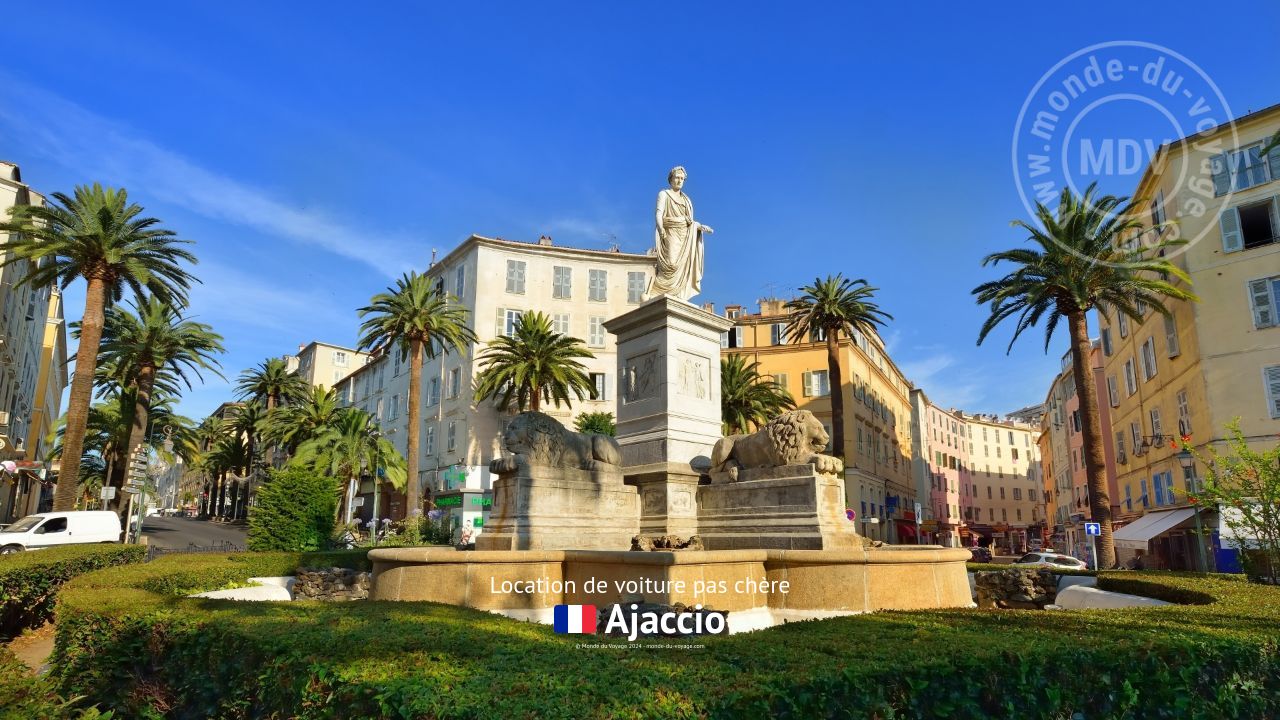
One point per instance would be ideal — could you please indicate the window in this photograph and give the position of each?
(395, 407)
(1142, 492)
(816, 384)
(1019, 511)
(1157, 210)
(1014, 452)
(731, 338)
(991, 514)
(1271, 379)
(1264, 298)
(780, 379)
(560, 323)
(599, 386)
(339, 358)
(988, 489)
(1244, 168)
(1158, 483)
(777, 334)
(455, 383)
(1120, 446)
(1113, 394)
(507, 320)
(597, 285)
(429, 443)
(1031, 494)
(635, 287)
(1130, 381)
(1135, 434)
(1106, 341)
(1148, 353)
(1250, 226)
(1128, 497)
(595, 334)
(1017, 493)
(53, 525)
(817, 335)
(561, 282)
(1184, 414)
(1122, 324)
(1171, 337)
(433, 391)
(452, 438)
(1156, 427)
(460, 280)
(1001, 493)
(515, 276)
(1004, 515)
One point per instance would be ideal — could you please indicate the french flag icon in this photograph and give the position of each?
(575, 619)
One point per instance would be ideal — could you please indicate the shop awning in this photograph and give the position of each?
(906, 528)
(1136, 534)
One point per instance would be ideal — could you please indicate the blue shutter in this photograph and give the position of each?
(1158, 482)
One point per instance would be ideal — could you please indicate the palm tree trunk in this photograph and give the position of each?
(141, 413)
(1094, 464)
(837, 393)
(64, 497)
(535, 400)
(413, 503)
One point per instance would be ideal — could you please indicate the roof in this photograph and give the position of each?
(537, 247)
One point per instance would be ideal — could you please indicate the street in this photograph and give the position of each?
(179, 533)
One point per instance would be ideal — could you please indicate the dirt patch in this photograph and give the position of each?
(34, 647)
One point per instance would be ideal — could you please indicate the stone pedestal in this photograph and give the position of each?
(783, 508)
(545, 508)
(668, 406)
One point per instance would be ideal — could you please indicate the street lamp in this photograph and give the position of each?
(1188, 462)
(376, 435)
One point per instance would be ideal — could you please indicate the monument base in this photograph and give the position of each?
(668, 498)
(783, 508)
(545, 508)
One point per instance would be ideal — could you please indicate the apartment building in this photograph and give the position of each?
(497, 281)
(1006, 481)
(942, 472)
(1183, 378)
(323, 365)
(24, 401)
(879, 485)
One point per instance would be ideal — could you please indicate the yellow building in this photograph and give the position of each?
(324, 365)
(1212, 361)
(877, 409)
(51, 380)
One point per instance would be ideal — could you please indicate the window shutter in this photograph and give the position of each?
(1275, 217)
(1263, 312)
(1271, 375)
(806, 389)
(1229, 221)
(1112, 392)
(1274, 160)
(1171, 336)
(1221, 175)
(1156, 480)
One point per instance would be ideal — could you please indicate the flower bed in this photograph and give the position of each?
(129, 642)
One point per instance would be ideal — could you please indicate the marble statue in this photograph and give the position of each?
(679, 243)
(792, 438)
(534, 438)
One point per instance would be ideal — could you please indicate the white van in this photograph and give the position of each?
(60, 528)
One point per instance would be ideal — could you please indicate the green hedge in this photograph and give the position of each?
(983, 567)
(128, 643)
(294, 512)
(27, 696)
(29, 581)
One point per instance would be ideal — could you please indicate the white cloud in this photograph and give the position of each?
(229, 294)
(98, 147)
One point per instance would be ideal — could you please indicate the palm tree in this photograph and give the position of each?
(248, 423)
(99, 236)
(352, 447)
(290, 426)
(136, 347)
(271, 382)
(747, 398)
(826, 309)
(533, 364)
(421, 322)
(1083, 258)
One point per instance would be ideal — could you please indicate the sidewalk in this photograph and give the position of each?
(34, 647)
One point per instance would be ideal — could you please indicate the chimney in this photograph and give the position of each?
(709, 307)
(545, 240)
(433, 258)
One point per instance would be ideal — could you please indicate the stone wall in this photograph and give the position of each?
(1016, 589)
(331, 584)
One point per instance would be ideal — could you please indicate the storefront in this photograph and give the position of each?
(1163, 540)
(906, 529)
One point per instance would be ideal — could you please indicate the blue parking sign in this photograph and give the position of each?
(1092, 528)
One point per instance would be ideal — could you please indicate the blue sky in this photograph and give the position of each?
(315, 154)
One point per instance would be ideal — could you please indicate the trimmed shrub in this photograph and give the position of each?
(23, 695)
(130, 647)
(983, 567)
(294, 513)
(29, 581)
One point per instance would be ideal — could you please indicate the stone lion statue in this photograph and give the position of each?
(793, 438)
(534, 438)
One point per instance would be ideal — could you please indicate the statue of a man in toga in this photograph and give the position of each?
(679, 242)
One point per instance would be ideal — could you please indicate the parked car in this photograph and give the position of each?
(1051, 561)
(60, 528)
(980, 554)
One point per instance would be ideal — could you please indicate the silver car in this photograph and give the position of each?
(1051, 561)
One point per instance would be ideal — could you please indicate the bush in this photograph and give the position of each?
(23, 695)
(130, 647)
(598, 423)
(295, 512)
(29, 581)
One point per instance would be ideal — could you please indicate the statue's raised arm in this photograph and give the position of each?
(678, 238)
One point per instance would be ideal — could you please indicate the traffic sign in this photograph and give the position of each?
(1092, 528)
(132, 490)
(107, 493)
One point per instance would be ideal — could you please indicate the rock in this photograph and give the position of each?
(332, 584)
(1016, 588)
(665, 543)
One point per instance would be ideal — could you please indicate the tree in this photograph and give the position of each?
(97, 235)
(533, 364)
(294, 512)
(272, 383)
(291, 425)
(421, 322)
(135, 348)
(597, 423)
(248, 423)
(825, 310)
(350, 448)
(747, 398)
(1245, 488)
(1084, 257)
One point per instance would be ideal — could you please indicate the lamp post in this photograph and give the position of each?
(1188, 462)
(375, 434)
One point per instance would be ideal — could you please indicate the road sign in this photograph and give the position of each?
(1092, 528)
(132, 490)
(357, 502)
(108, 493)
